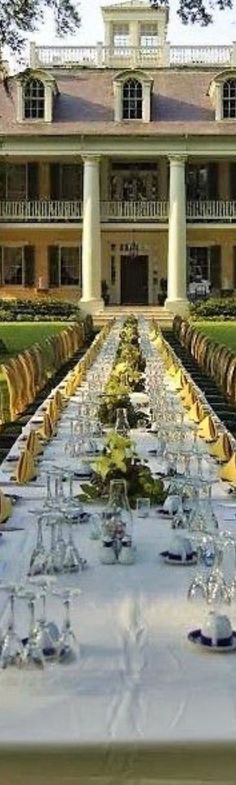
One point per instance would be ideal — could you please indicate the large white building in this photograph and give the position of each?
(118, 165)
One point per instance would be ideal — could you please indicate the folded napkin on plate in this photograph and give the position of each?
(228, 472)
(47, 427)
(207, 429)
(26, 469)
(188, 396)
(196, 412)
(33, 444)
(5, 508)
(58, 398)
(222, 448)
(171, 370)
(179, 379)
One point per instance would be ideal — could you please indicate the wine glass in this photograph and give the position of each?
(68, 648)
(12, 647)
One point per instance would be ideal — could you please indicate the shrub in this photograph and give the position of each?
(214, 308)
(39, 310)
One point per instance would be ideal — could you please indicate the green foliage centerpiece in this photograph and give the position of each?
(120, 461)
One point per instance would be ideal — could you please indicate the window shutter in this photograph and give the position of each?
(213, 180)
(233, 180)
(2, 181)
(234, 267)
(29, 256)
(1, 275)
(216, 266)
(53, 265)
(33, 180)
(55, 181)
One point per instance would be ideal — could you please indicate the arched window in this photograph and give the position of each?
(229, 98)
(34, 99)
(132, 100)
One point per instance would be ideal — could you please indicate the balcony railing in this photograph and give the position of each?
(40, 210)
(219, 211)
(52, 211)
(134, 211)
(154, 56)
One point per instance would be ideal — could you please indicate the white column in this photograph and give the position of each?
(176, 288)
(91, 300)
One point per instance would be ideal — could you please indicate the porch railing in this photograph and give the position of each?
(134, 211)
(219, 210)
(40, 210)
(53, 211)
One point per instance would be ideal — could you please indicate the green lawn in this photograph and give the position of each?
(20, 336)
(223, 332)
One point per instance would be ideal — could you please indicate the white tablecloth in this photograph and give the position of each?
(141, 704)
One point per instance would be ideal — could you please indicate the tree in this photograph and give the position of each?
(20, 16)
(198, 11)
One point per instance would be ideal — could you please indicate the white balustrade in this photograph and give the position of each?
(134, 211)
(200, 55)
(40, 210)
(52, 211)
(212, 210)
(100, 55)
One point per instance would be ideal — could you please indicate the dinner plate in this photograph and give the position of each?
(178, 562)
(195, 637)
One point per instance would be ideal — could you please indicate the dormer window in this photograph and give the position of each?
(34, 99)
(132, 100)
(222, 91)
(132, 92)
(229, 98)
(36, 93)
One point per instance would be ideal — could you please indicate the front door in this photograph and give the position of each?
(134, 280)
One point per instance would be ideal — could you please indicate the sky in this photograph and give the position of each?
(222, 31)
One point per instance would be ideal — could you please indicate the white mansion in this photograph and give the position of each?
(118, 167)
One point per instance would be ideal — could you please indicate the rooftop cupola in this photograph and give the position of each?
(134, 25)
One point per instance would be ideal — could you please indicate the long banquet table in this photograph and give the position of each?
(141, 704)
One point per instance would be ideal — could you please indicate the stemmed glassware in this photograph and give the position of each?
(32, 655)
(11, 646)
(68, 648)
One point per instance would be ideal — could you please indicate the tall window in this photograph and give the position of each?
(132, 100)
(229, 98)
(65, 266)
(120, 36)
(17, 267)
(148, 35)
(34, 99)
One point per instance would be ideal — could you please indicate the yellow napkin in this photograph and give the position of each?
(26, 469)
(33, 444)
(59, 400)
(222, 448)
(47, 429)
(196, 413)
(188, 396)
(207, 429)
(5, 508)
(179, 379)
(172, 370)
(228, 472)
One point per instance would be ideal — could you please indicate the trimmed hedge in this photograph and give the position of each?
(39, 310)
(214, 309)
(215, 359)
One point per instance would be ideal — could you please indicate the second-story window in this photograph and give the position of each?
(132, 100)
(229, 98)
(34, 99)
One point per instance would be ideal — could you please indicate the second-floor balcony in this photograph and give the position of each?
(47, 211)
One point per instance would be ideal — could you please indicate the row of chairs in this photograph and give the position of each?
(216, 360)
(26, 374)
